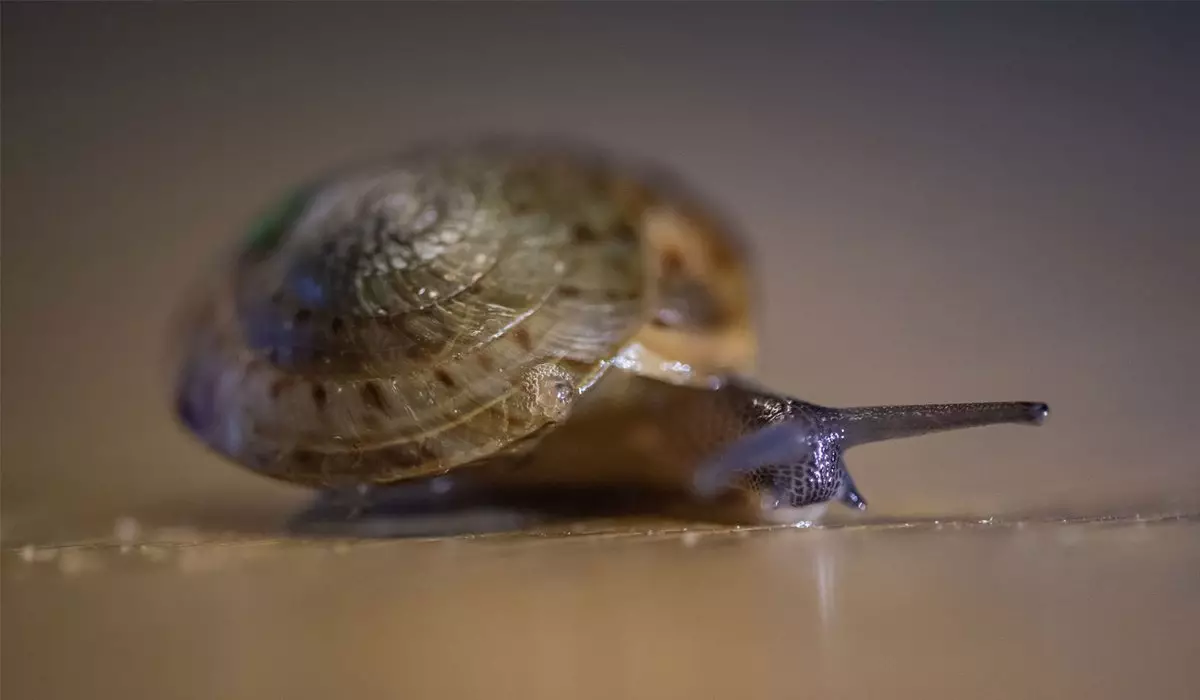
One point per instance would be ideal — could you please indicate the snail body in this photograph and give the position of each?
(428, 313)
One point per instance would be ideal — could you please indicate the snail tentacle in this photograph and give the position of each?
(796, 457)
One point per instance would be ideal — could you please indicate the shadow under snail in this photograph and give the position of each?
(426, 323)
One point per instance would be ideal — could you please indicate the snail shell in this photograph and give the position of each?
(411, 315)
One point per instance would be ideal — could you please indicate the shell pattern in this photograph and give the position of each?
(404, 317)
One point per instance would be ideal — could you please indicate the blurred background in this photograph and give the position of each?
(945, 202)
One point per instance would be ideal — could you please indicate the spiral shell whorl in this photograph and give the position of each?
(391, 320)
(366, 248)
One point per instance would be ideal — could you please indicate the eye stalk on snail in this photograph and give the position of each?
(423, 315)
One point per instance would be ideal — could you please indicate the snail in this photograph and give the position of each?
(399, 324)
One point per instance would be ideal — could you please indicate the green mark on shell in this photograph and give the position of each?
(271, 227)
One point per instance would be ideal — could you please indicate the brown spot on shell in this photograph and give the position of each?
(373, 396)
(570, 291)
(521, 335)
(672, 261)
(391, 323)
(337, 325)
(406, 456)
(725, 259)
(305, 458)
(582, 233)
(428, 451)
(280, 385)
(444, 377)
(416, 329)
(616, 295)
(320, 397)
(409, 455)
